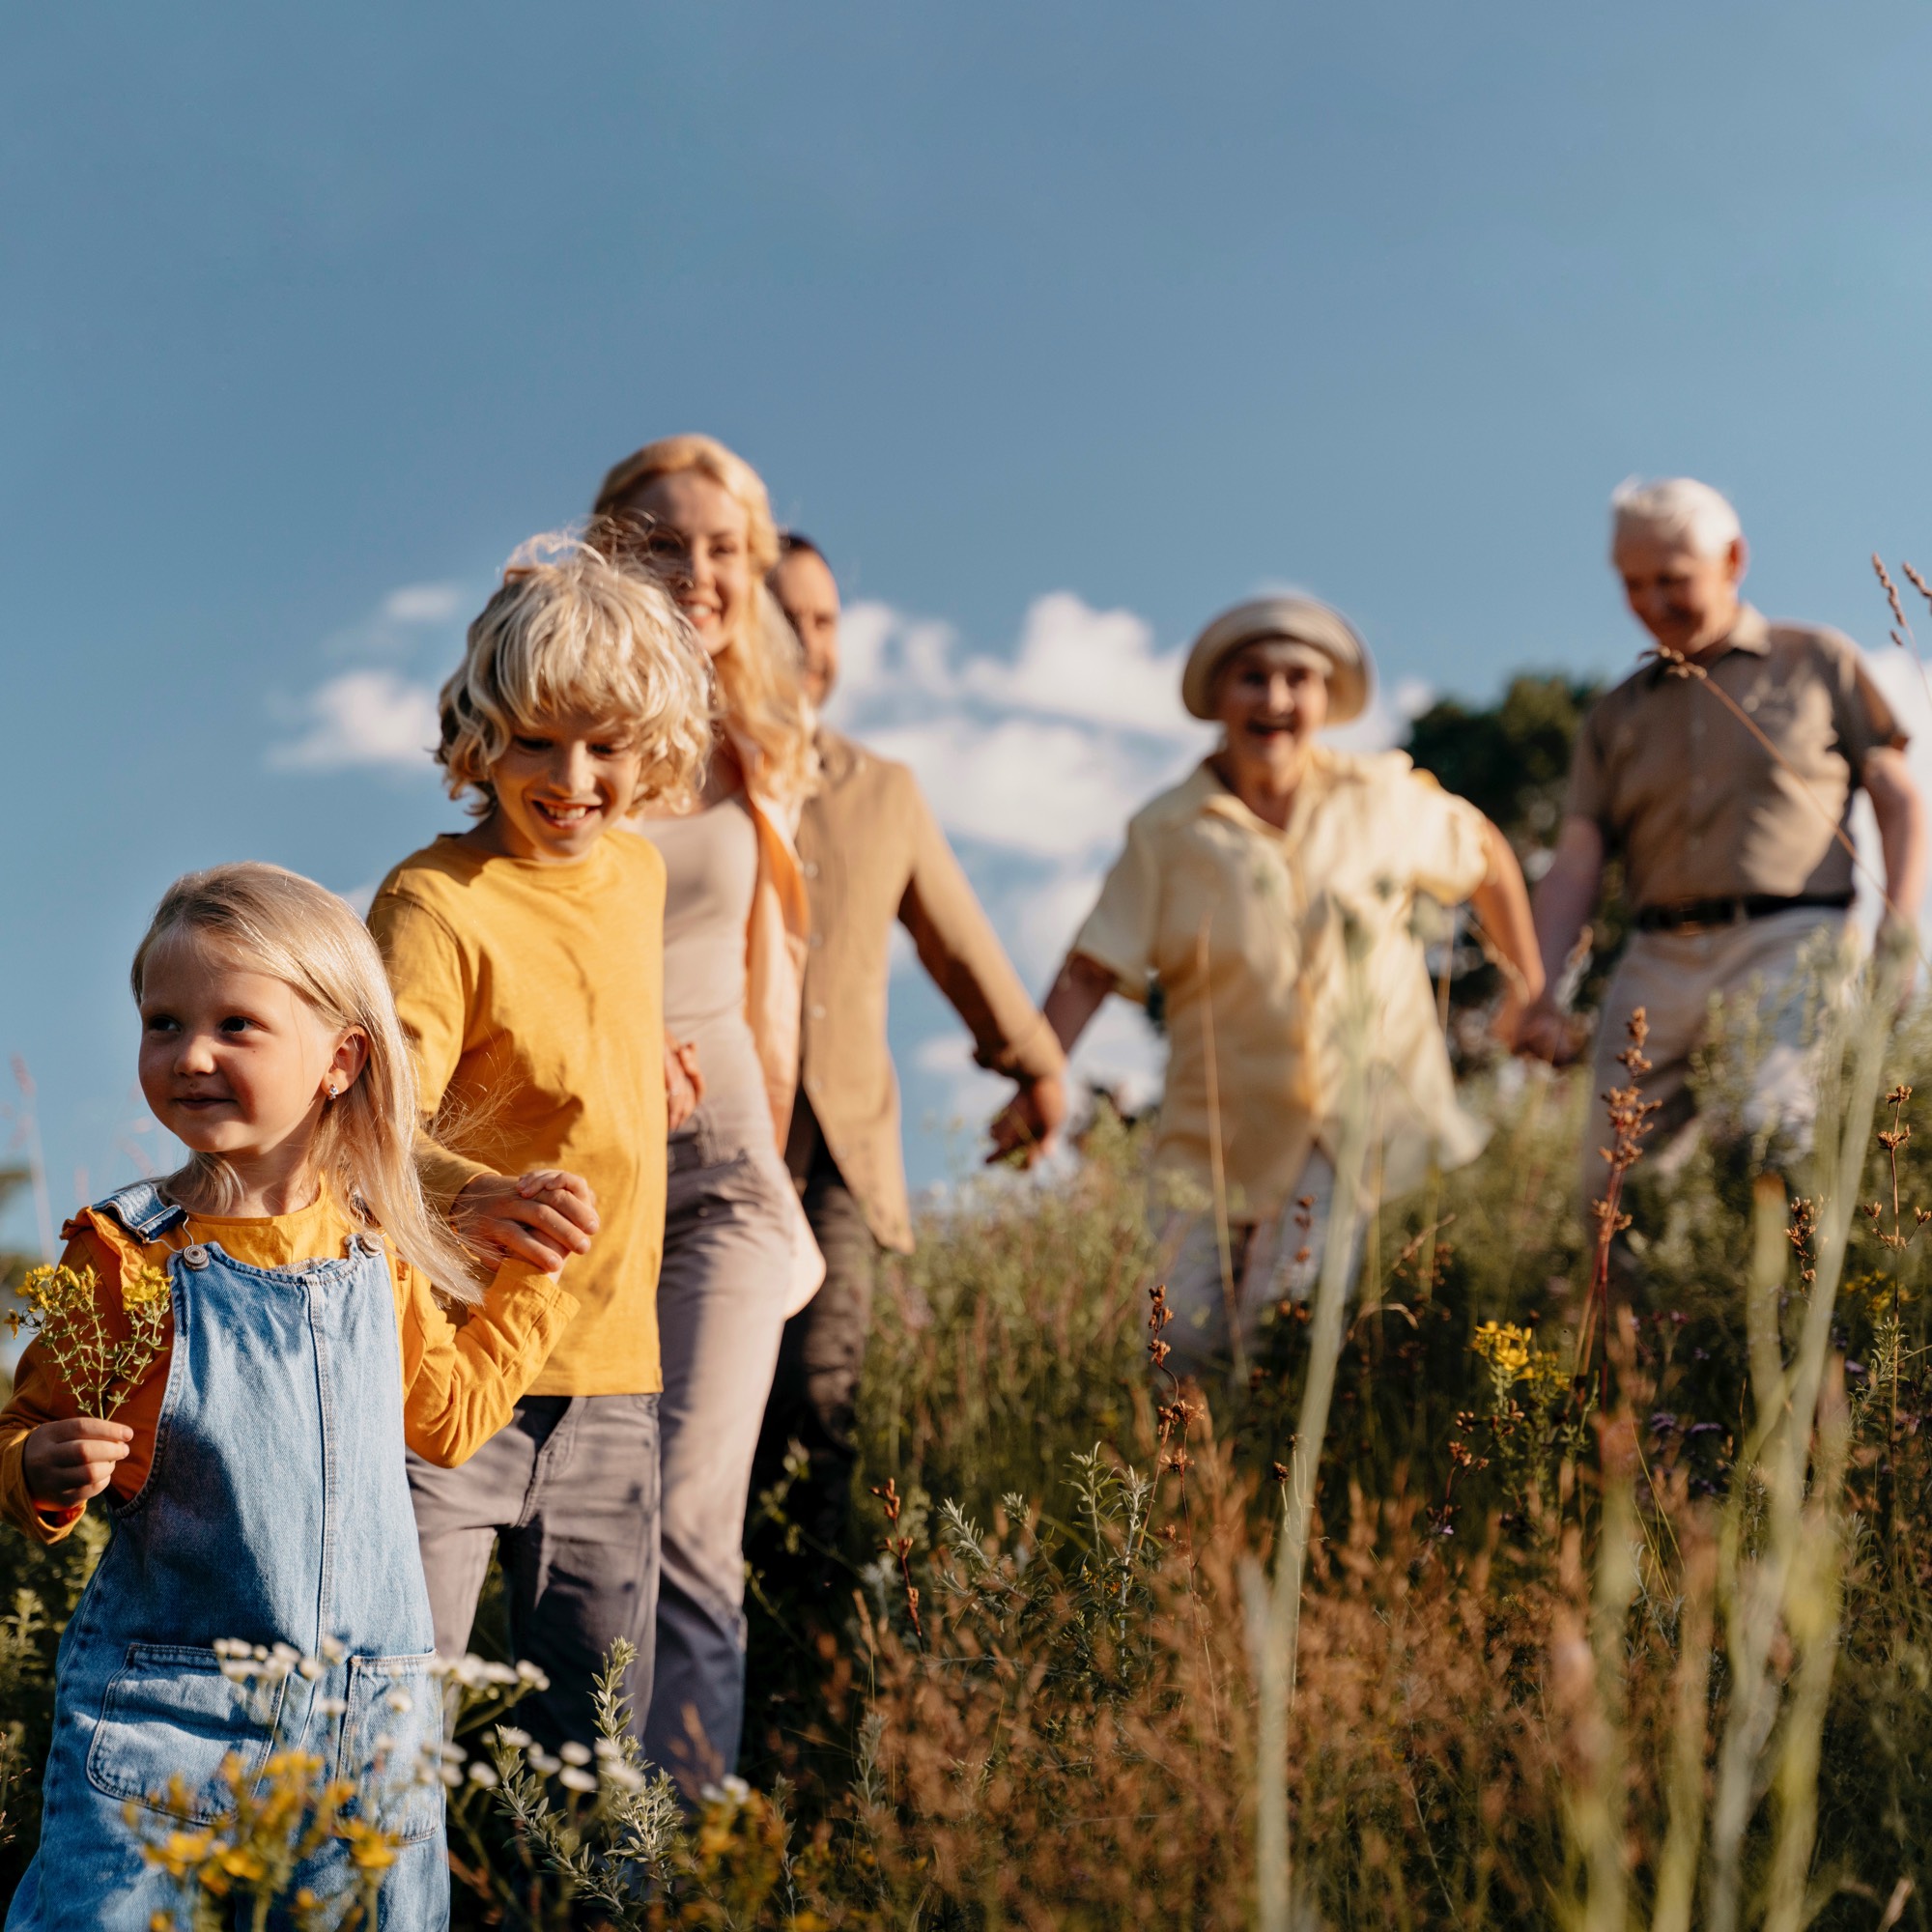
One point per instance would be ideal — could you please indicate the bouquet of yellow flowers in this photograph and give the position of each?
(64, 1308)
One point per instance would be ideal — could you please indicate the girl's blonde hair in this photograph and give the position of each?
(758, 670)
(277, 922)
(569, 631)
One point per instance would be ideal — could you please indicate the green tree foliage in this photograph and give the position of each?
(1511, 760)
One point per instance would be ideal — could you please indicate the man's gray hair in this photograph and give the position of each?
(1678, 507)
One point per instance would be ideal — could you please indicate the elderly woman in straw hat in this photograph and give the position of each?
(1268, 898)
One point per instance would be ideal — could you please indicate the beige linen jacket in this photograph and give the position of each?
(872, 853)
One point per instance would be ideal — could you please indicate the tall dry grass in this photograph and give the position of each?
(1539, 1658)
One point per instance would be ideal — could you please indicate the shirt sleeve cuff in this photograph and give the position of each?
(36, 1520)
(1035, 1054)
(444, 1174)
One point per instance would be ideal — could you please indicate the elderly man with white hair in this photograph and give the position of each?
(1722, 773)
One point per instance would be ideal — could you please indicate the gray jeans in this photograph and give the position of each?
(567, 1491)
(728, 1260)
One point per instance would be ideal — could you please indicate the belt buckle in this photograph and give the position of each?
(1734, 915)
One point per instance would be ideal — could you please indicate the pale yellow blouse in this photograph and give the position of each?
(1246, 930)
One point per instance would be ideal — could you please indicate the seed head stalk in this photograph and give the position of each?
(1629, 1119)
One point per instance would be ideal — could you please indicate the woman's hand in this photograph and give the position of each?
(684, 1082)
(1025, 1127)
(65, 1463)
(543, 1218)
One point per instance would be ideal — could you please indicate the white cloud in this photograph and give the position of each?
(1045, 754)
(1096, 665)
(424, 604)
(890, 663)
(1048, 791)
(362, 718)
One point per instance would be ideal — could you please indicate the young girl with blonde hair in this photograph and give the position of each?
(738, 1254)
(254, 1479)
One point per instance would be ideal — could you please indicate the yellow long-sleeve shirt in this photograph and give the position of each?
(533, 995)
(462, 1373)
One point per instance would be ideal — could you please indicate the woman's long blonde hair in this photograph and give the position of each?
(277, 922)
(758, 670)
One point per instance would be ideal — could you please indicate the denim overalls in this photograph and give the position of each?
(278, 1511)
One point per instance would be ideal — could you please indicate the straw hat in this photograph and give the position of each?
(1330, 641)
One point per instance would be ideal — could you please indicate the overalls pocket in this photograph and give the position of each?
(169, 1723)
(391, 1745)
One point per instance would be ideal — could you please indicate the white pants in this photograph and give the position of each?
(1770, 978)
(1270, 1262)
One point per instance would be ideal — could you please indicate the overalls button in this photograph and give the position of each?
(195, 1257)
(370, 1243)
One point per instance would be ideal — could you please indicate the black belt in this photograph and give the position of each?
(1732, 911)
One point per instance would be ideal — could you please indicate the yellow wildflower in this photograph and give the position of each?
(144, 1283)
(243, 1862)
(179, 1852)
(370, 1849)
(100, 1369)
(1510, 1348)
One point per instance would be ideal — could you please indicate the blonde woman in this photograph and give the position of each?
(738, 1255)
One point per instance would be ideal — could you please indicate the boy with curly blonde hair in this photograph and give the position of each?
(526, 957)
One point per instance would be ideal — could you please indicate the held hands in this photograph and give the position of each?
(1024, 1128)
(543, 1218)
(684, 1083)
(1543, 1031)
(65, 1463)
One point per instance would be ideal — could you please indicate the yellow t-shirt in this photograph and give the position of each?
(462, 1376)
(533, 995)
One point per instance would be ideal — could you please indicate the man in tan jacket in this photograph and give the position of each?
(872, 853)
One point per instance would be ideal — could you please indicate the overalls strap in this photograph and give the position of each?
(143, 1210)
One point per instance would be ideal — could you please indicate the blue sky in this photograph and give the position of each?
(1058, 327)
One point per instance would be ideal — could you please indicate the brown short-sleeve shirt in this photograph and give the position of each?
(1691, 800)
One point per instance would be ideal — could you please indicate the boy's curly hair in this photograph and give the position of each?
(569, 632)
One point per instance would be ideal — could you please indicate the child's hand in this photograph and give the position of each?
(64, 1463)
(543, 1218)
